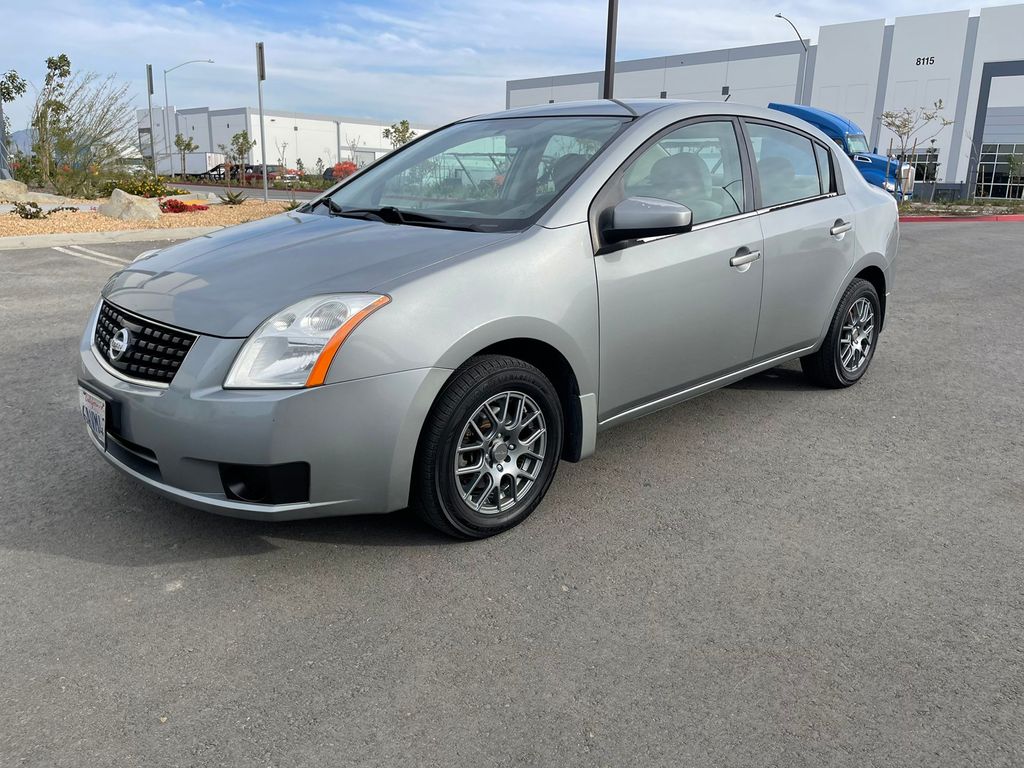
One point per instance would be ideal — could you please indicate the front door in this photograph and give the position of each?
(678, 310)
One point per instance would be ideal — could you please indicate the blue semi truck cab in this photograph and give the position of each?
(876, 169)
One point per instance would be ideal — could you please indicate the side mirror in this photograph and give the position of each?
(638, 217)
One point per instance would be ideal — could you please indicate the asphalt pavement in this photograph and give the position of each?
(770, 575)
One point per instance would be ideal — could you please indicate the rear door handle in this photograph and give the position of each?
(742, 259)
(840, 227)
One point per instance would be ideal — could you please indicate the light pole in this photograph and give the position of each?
(799, 37)
(609, 50)
(167, 102)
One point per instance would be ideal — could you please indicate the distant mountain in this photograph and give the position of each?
(21, 140)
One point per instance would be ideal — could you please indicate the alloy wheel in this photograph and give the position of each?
(857, 336)
(500, 453)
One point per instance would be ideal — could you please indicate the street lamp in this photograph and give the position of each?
(803, 44)
(167, 101)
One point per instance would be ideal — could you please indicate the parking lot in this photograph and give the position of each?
(771, 575)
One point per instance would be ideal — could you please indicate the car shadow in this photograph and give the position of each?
(783, 378)
(63, 499)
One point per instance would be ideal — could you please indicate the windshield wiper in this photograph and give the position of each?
(332, 206)
(391, 215)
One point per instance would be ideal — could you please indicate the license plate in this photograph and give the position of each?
(94, 411)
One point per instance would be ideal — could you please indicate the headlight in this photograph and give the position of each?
(295, 347)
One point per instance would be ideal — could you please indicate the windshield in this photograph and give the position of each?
(857, 143)
(487, 175)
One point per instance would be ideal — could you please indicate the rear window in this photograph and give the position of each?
(787, 166)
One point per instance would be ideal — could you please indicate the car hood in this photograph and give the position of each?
(227, 283)
(878, 160)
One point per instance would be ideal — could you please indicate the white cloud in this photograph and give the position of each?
(429, 62)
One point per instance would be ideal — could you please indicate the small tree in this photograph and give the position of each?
(319, 167)
(237, 153)
(49, 114)
(300, 167)
(281, 147)
(399, 134)
(908, 125)
(12, 85)
(1016, 172)
(184, 146)
(352, 143)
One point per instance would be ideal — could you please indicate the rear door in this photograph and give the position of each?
(807, 225)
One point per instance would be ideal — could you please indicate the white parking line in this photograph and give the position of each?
(107, 260)
(98, 254)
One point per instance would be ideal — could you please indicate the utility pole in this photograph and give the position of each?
(5, 171)
(167, 104)
(261, 75)
(609, 49)
(149, 99)
(803, 82)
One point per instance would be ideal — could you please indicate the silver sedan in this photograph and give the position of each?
(444, 327)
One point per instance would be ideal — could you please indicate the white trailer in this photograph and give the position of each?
(196, 163)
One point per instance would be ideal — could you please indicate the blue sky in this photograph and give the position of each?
(428, 62)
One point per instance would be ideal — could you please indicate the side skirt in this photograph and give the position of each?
(696, 390)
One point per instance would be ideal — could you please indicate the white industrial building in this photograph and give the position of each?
(291, 136)
(974, 64)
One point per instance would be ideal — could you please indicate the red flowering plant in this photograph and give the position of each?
(344, 169)
(173, 205)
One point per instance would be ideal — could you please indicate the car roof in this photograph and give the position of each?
(671, 109)
(592, 108)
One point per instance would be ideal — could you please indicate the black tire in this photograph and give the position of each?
(825, 367)
(437, 494)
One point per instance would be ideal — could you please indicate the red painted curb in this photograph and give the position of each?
(932, 219)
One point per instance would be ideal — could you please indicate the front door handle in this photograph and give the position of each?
(840, 227)
(744, 258)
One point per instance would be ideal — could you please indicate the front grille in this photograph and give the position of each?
(154, 352)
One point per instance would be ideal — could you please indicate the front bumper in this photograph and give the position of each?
(358, 437)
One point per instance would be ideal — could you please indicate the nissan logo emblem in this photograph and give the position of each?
(119, 344)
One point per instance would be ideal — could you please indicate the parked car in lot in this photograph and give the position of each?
(254, 173)
(416, 335)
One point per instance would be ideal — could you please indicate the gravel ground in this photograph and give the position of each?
(770, 576)
(86, 220)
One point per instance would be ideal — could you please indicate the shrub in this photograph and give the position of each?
(344, 170)
(233, 198)
(180, 206)
(142, 186)
(29, 211)
(33, 211)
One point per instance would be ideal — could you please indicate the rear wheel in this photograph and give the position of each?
(489, 449)
(850, 344)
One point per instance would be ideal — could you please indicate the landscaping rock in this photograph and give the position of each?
(13, 191)
(42, 198)
(16, 192)
(129, 207)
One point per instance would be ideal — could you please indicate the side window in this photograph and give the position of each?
(563, 158)
(786, 164)
(697, 166)
(824, 168)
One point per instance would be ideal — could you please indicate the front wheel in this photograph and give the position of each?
(489, 449)
(852, 337)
